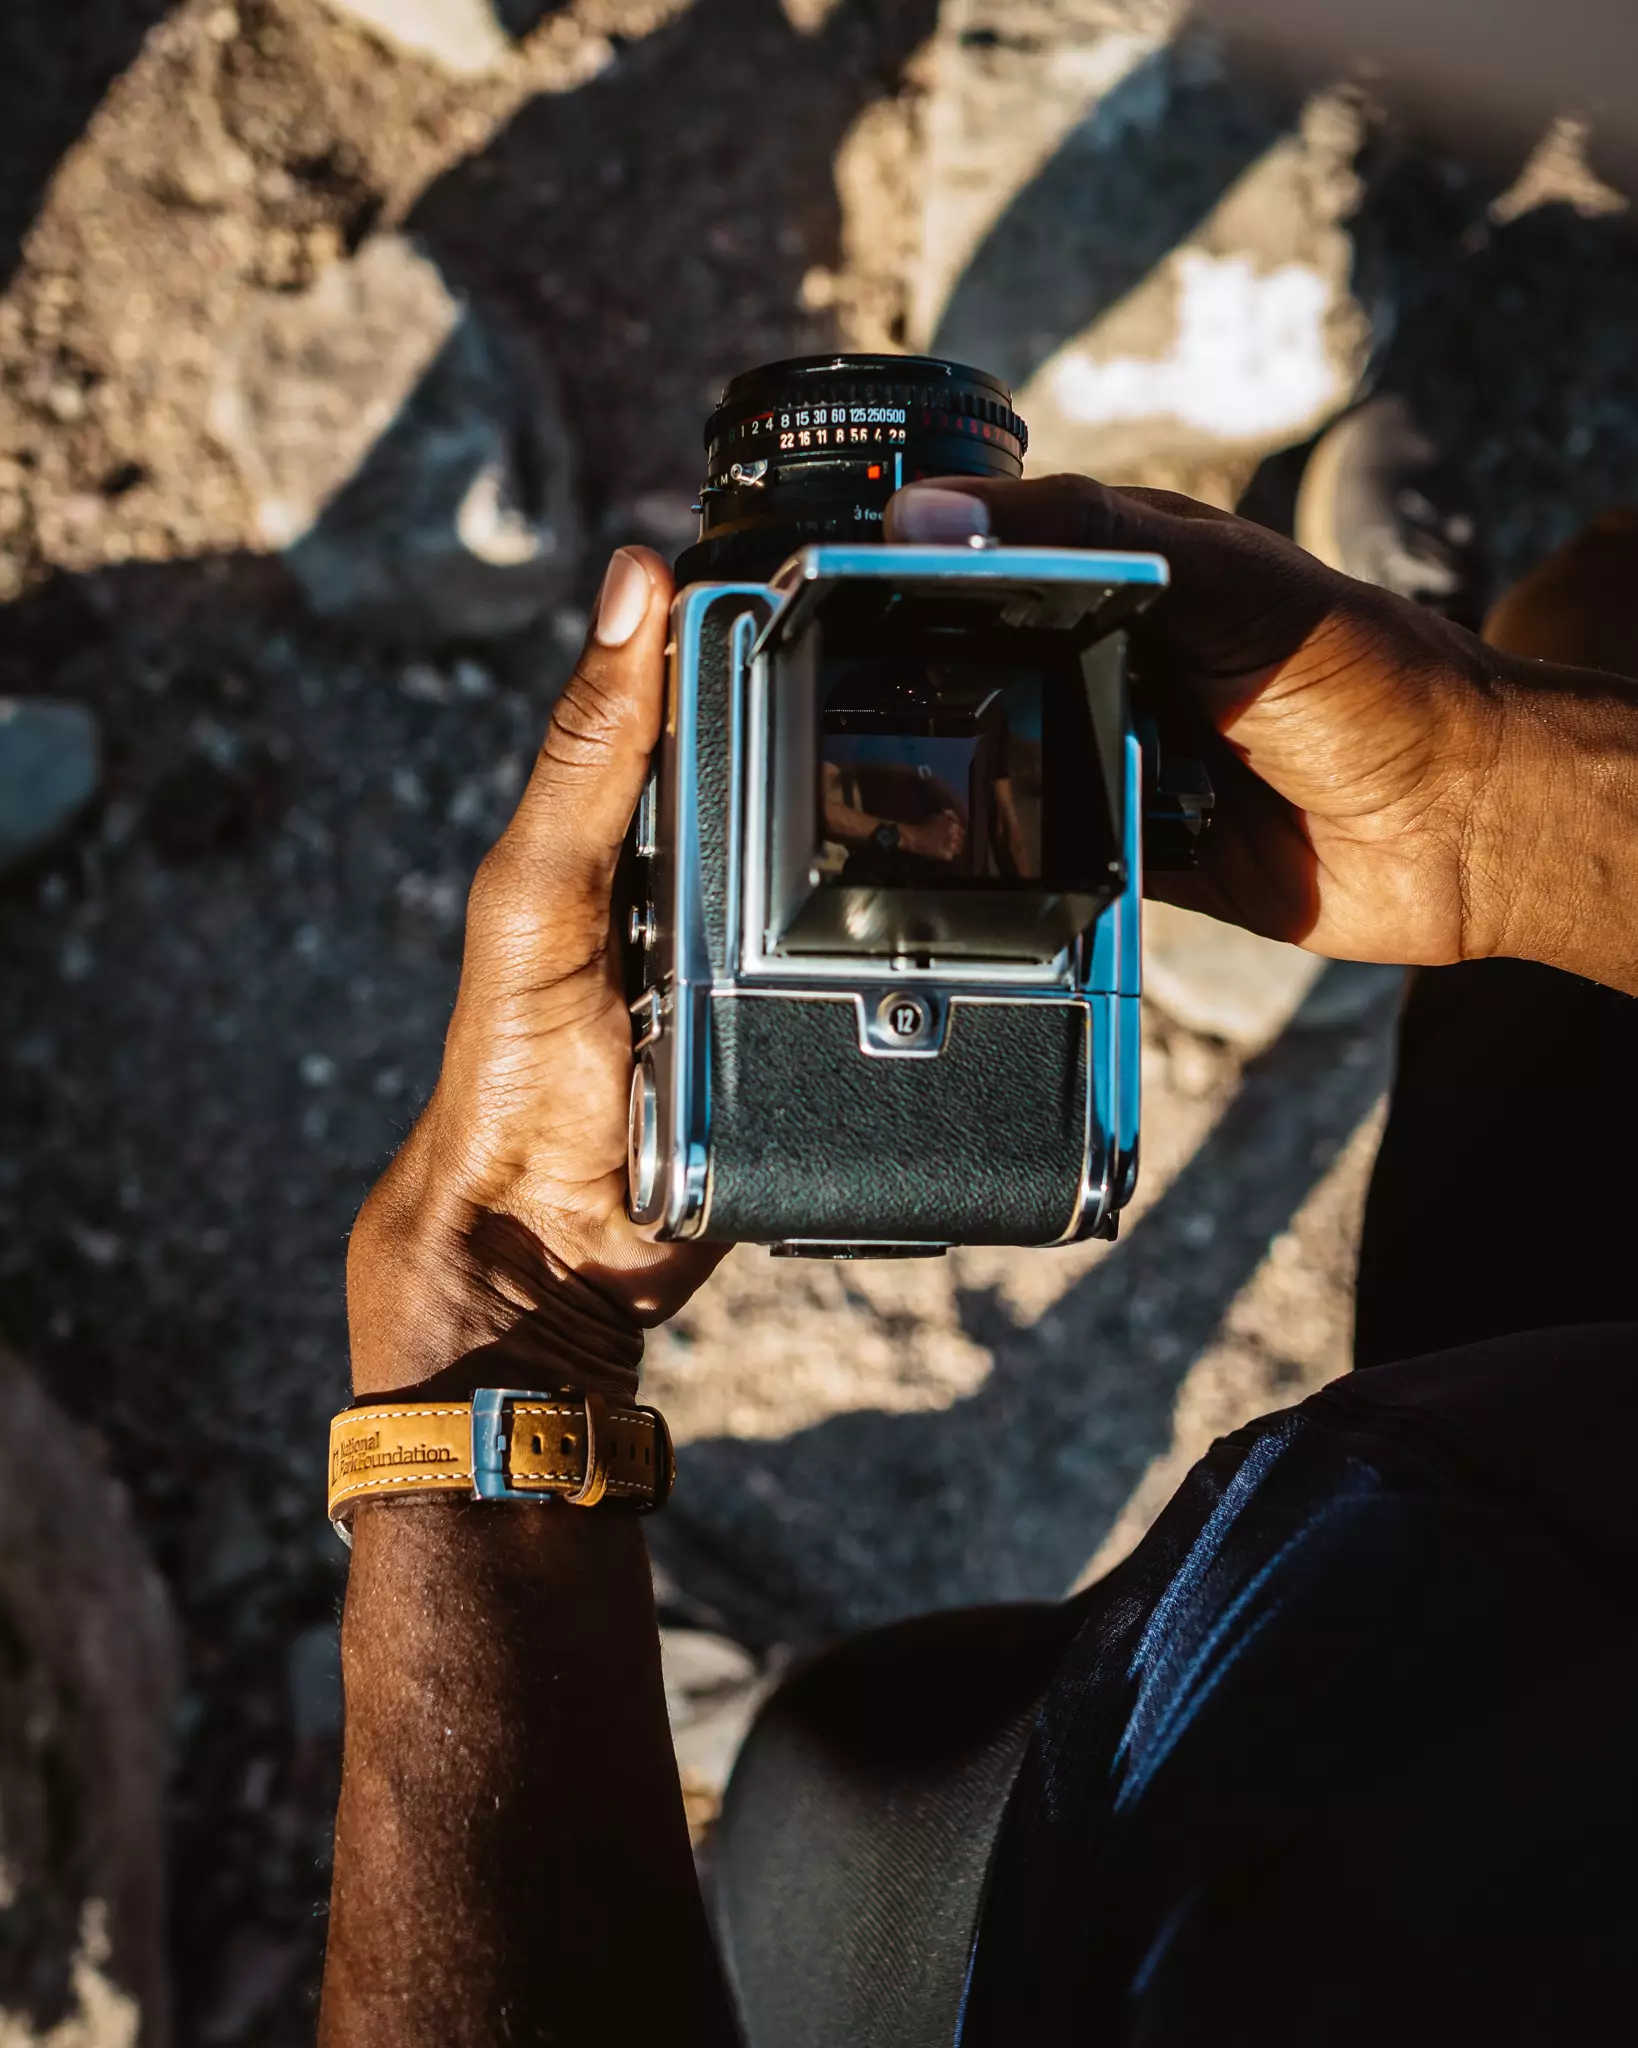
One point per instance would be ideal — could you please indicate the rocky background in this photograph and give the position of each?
(339, 341)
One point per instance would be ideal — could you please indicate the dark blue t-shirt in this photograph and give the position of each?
(1347, 1750)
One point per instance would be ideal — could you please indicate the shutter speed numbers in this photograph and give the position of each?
(835, 426)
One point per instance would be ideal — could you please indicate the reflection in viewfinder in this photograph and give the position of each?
(931, 773)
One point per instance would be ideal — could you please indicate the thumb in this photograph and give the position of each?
(548, 878)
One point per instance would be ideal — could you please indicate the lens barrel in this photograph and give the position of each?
(812, 449)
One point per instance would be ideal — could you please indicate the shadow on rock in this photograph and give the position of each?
(55, 65)
(1511, 340)
(656, 252)
(1126, 185)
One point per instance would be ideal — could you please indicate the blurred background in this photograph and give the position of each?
(340, 340)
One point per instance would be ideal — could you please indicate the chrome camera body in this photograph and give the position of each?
(885, 907)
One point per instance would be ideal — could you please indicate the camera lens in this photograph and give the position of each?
(812, 449)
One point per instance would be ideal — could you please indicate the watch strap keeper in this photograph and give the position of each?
(506, 1443)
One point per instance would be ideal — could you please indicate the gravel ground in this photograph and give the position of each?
(223, 999)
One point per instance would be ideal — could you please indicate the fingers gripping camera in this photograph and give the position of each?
(885, 918)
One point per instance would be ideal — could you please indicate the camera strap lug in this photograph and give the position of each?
(648, 1017)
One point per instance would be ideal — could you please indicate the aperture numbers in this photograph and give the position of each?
(840, 437)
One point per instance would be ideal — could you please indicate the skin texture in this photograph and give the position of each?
(498, 1240)
(1389, 787)
(940, 837)
(512, 1858)
(512, 1864)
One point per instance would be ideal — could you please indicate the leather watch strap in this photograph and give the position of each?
(504, 1444)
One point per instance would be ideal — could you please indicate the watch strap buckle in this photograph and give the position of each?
(495, 1457)
(507, 1443)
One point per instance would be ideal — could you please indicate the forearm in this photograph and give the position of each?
(850, 827)
(512, 1859)
(1552, 862)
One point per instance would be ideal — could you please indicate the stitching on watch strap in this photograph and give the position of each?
(581, 1470)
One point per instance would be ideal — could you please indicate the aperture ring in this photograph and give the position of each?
(826, 422)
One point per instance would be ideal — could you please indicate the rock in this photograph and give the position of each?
(87, 1676)
(1226, 983)
(1139, 239)
(699, 1668)
(712, 1691)
(1351, 992)
(463, 37)
(1219, 980)
(406, 454)
(50, 768)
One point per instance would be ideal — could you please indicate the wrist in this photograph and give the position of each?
(446, 1293)
(1551, 854)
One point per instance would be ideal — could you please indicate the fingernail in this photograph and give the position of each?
(923, 512)
(623, 600)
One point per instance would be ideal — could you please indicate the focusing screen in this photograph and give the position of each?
(930, 773)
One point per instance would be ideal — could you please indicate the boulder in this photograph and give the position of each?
(406, 454)
(87, 1674)
(462, 37)
(1230, 984)
(50, 768)
(713, 1688)
(1141, 234)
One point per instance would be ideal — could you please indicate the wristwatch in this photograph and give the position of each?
(886, 837)
(505, 1444)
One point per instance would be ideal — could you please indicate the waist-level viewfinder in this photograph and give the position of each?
(944, 739)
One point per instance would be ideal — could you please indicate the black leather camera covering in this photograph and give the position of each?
(812, 1138)
(711, 778)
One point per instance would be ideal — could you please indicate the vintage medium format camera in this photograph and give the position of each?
(883, 929)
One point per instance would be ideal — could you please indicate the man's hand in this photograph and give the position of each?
(1389, 788)
(512, 1860)
(496, 1247)
(940, 837)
